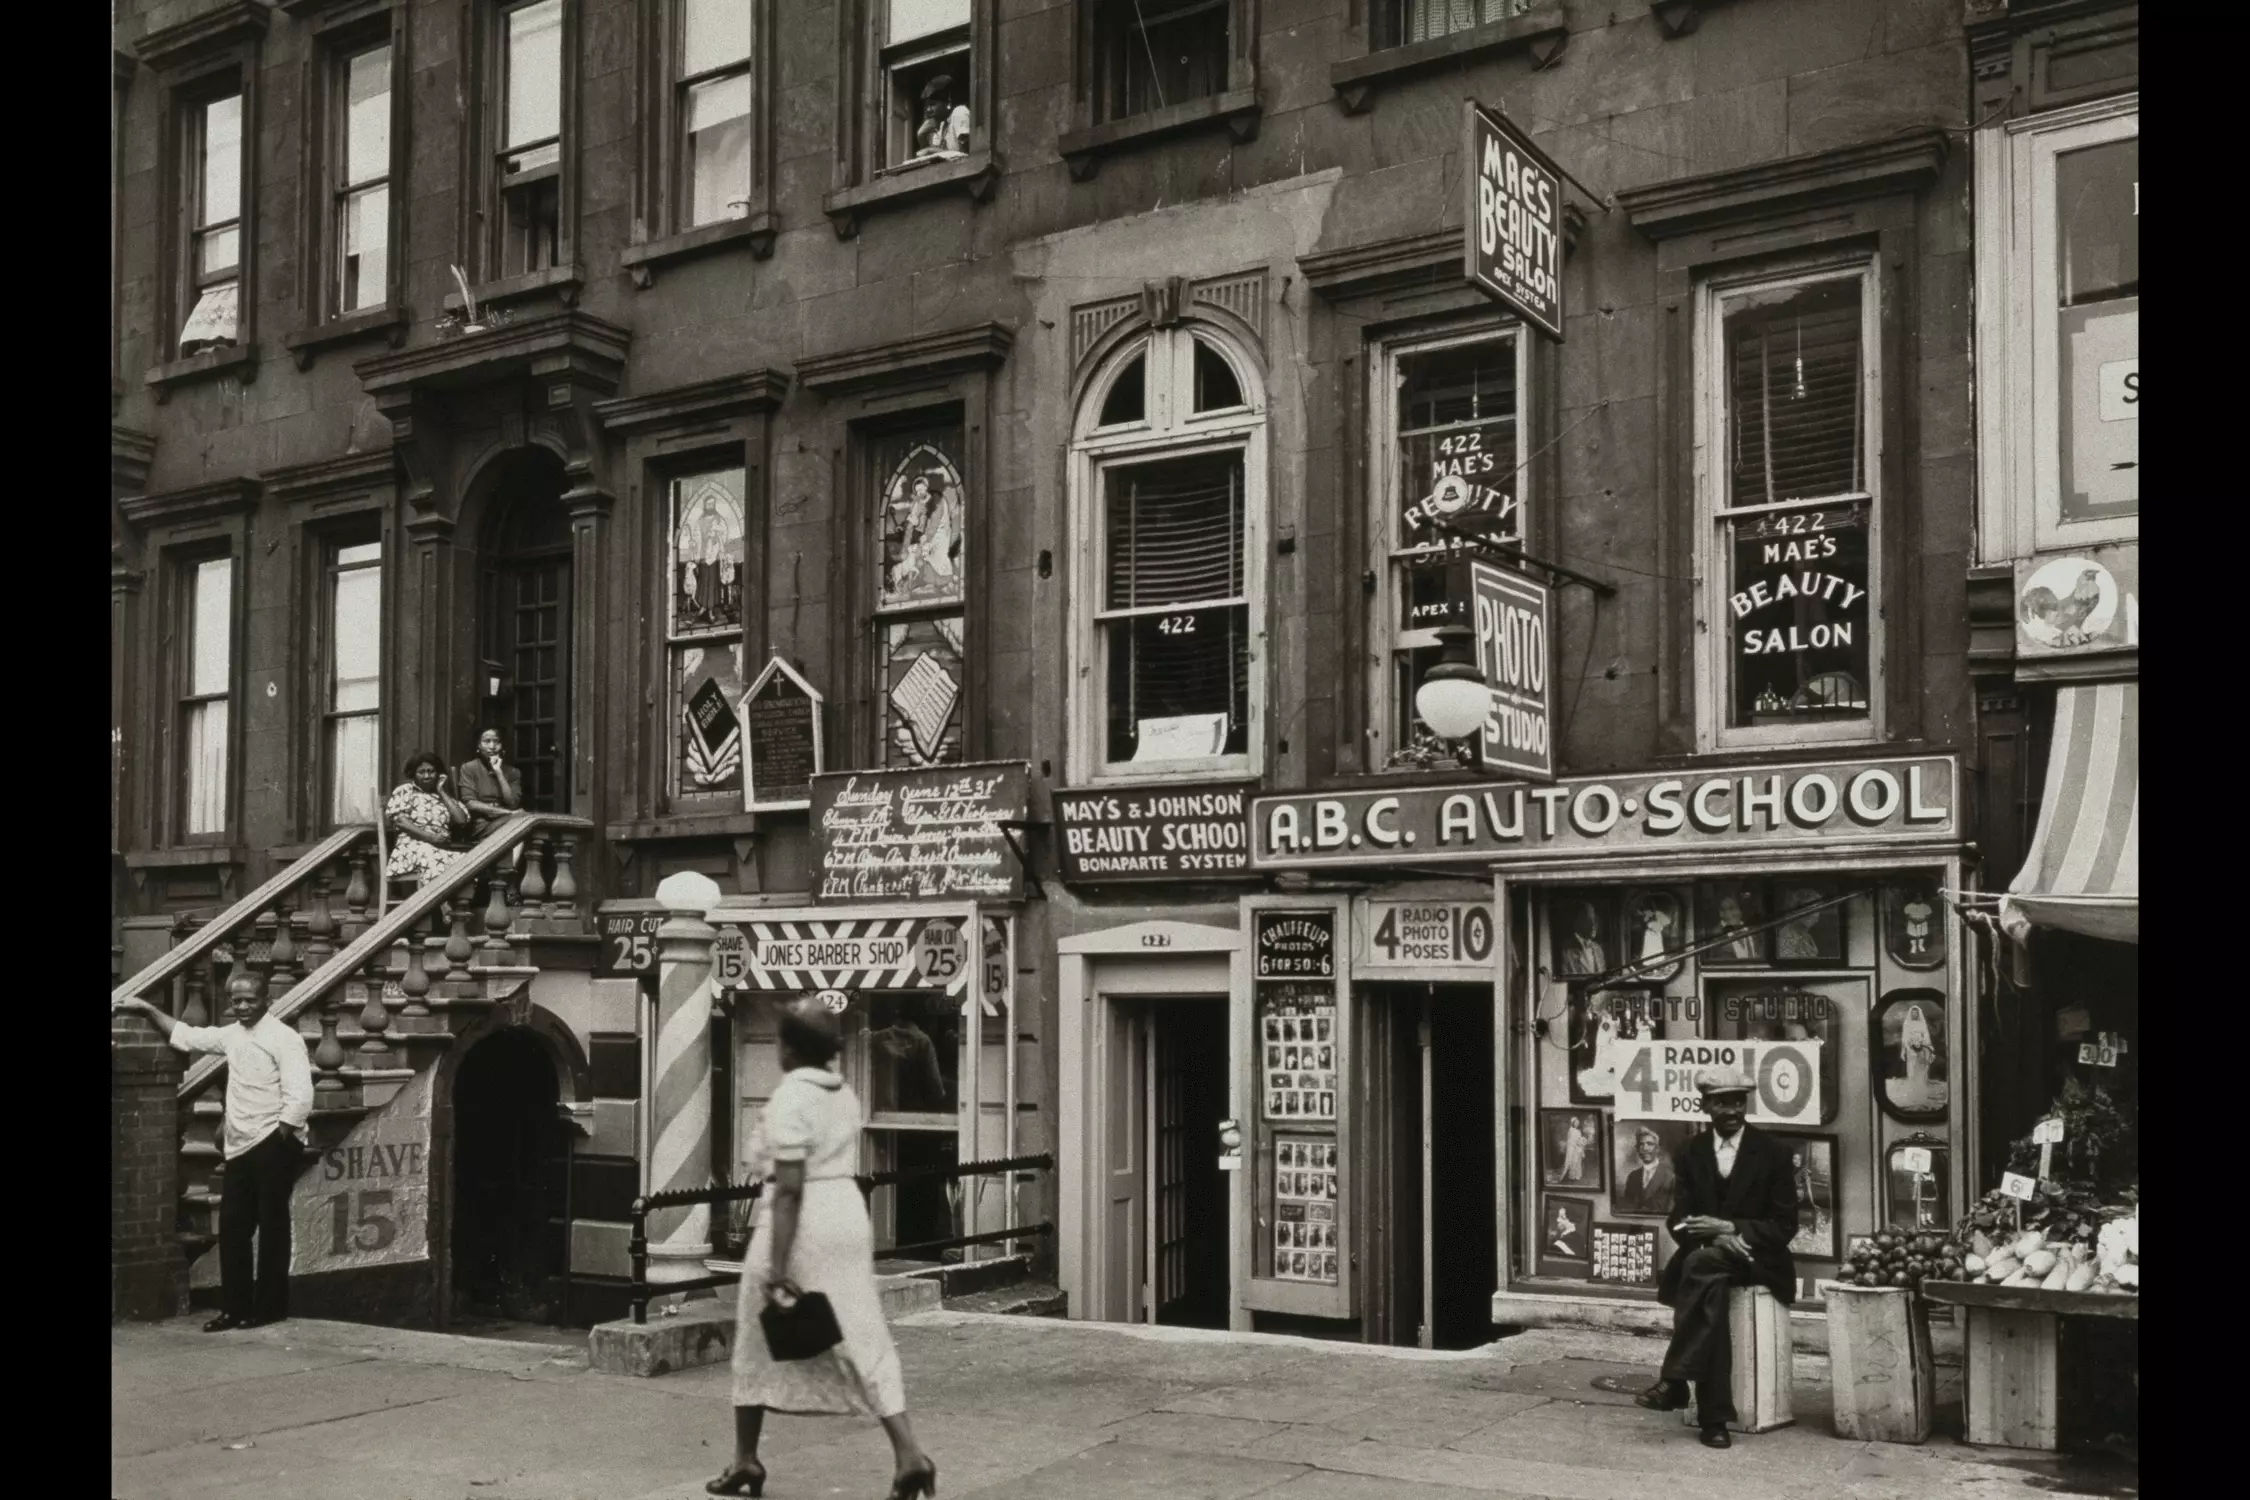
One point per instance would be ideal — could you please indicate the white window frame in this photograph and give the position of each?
(1713, 628)
(1385, 638)
(1168, 428)
(334, 568)
(2019, 447)
(190, 705)
(343, 188)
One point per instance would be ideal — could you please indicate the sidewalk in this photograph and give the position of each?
(1012, 1409)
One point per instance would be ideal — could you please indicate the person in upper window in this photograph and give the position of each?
(944, 130)
(425, 820)
(490, 788)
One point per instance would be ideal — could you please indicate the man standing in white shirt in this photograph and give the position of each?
(269, 1099)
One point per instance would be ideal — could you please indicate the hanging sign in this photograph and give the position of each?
(628, 942)
(871, 953)
(2082, 604)
(931, 834)
(782, 715)
(1657, 1080)
(1799, 806)
(1515, 651)
(1154, 834)
(1512, 220)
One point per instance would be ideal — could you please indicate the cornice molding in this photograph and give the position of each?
(1543, 31)
(589, 350)
(225, 26)
(1685, 205)
(1429, 262)
(130, 454)
(217, 498)
(981, 346)
(729, 395)
(332, 476)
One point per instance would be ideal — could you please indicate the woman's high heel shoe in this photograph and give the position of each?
(742, 1479)
(917, 1481)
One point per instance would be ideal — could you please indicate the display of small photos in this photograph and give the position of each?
(1624, 1254)
(1304, 1209)
(1297, 1039)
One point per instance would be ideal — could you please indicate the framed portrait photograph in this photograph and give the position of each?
(1602, 1022)
(1814, 939)
(1641, 1170)
(1812, 1163)
(1655, 922)
(1579, 938)
(1726, 907)
(1571, 1153)
(1914, 924)
(1773, 1009)
(1907, 1042)
(1915, 1192)
(1566, 1236)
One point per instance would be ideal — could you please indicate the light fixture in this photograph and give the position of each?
(1453, 698)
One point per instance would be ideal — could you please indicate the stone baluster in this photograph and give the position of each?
(358, 892)
(281, 953)
(535, 878)
(320, 926)
(194, 1009)
(414, 984)
(374, 1017)
(564, 892)
(458, 949)
(328, 1056)
(496, 917)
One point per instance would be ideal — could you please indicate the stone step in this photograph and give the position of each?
(1023, 1299)
(702, 1331)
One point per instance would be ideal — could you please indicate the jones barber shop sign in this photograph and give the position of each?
(1829, 802)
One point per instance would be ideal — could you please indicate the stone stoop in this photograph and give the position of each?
(702, 1331)
(1023, 1299)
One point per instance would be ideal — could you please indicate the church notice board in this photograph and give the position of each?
(929, 834)
(781, 719)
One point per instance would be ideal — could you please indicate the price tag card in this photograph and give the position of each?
(2016, 1185)
(2105, 1057)
(2047, 1133)
(1914, 1159)
(2087, 1052)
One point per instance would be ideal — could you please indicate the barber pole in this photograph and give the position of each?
(680, 1097)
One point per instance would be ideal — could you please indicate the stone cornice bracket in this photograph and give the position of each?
(685, 405)
(1677, 18)
(981, 346)
(195, 503)
(571, 402)
(423, 441)
(221, 26)
(1688, 205)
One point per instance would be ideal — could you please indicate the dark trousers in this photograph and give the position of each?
(254, 1198)
(1701, 1350)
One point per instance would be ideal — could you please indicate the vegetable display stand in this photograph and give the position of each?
(1879, 1364)
(1759, 1329)
(2010, 1384)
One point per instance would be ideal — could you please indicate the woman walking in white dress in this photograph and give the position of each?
(813, 1236)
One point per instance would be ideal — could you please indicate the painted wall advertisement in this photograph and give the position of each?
(1892, 799)
(1154, 834)
(2081, 604)
(1515, 651)
(1513, 219)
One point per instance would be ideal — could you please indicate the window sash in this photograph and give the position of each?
(716, 153)
(216, 183)
(1811, 391)
(918, 20)
(203, 766)
(363, 127)
(1150, 561)
(703, 53)
(531, 54)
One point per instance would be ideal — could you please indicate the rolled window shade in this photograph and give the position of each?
(1175, 532)
(1794, 388)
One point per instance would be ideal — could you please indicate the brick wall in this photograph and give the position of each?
(147, 1276)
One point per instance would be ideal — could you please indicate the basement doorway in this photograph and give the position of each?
(511, 1166)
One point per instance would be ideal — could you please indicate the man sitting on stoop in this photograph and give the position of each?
(1734, 1211)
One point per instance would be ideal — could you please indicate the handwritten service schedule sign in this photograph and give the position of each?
(924, 835)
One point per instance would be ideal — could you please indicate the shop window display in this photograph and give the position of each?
(1299, 1236)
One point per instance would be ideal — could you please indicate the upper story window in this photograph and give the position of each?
(1449, 428)
(716, 97)
(1169, 478)
(1426, 20)
(213, 157)
(924, 63)
(360, 184)
(352, 687)
(1790, 547)
(529, 134)
(708, 589)
(1153, 53)
(921, 591)
(205, 685)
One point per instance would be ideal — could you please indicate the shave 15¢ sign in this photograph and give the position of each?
(1829, 802)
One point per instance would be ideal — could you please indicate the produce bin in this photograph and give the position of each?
(1879, 1363)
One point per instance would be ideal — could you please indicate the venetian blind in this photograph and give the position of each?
(1175, 532)
(1794, 395)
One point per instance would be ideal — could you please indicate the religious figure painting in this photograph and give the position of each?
(707, 580)
(921, 521)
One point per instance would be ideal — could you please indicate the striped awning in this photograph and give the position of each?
(2083, 873)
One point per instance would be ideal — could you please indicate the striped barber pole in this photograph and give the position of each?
(680, 1106)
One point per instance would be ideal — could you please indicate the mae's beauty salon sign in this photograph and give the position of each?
(1829, 802)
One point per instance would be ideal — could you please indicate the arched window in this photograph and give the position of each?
(1169, 490)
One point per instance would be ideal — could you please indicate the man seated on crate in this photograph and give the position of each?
(1734, 1211)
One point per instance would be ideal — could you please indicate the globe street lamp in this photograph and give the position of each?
(1453, 698)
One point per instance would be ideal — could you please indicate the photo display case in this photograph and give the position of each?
(1616, 969)
(1300, 1160)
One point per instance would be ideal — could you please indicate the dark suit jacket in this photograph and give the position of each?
(474, 782)
(1760, 1197)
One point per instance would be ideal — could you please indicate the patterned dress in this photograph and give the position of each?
(415, 858)
(814, 1117)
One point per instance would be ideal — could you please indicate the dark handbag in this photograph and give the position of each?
(804, 1328)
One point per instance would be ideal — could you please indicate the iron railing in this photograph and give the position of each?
(718, 1193)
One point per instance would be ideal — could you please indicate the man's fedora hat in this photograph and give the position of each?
(1711, 1081)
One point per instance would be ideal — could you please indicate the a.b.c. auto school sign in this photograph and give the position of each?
(1830, 802)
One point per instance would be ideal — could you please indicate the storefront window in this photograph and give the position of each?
(1848, 976)
(913, 1054)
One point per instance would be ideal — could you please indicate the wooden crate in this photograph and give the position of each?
(1879, 1363)
(1759, 1327)
(2010, 1383)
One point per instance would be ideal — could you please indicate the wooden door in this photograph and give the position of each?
(1167, 1158)
(533, 623)
(1124, 1164)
